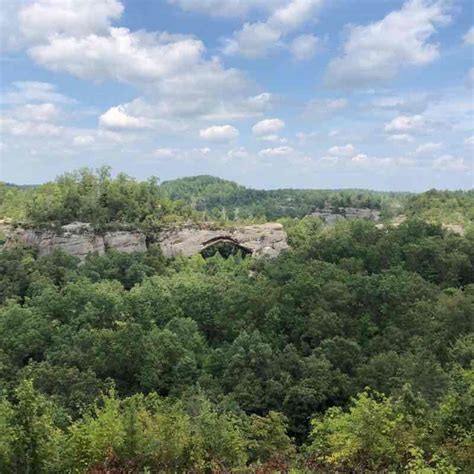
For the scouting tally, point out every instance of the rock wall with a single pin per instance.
(77, 239)
(263, 240)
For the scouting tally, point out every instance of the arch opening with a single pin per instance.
(225, 246)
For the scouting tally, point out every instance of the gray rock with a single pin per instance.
(331, 215)
(261, 240)
(125, 241)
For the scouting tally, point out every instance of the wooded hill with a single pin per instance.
(350, 352)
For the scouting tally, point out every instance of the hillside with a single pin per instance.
(218, 197)
(349, 351)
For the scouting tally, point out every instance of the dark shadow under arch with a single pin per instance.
(224, 245)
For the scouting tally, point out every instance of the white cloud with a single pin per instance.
(238, 153)
(377, 52)
(323, 107)
(83, 140)
(469, 36)
(304, 47)
(118, 118)
(428, 148)
(469, 141)
(268, 127)
(401, 137)
(277, 151)
(406, 123)
(254, 40)
(36, 112)
(257, 39)
(450, 163)
(164, 153)
(27, 128)
(343, 150)
(29, 91)
(219, 133)
(44, 19)
(121, 55)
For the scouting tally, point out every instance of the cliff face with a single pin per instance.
(79, 239)
(262, 240)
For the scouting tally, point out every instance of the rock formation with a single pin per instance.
(261, 240)
(79, 239)
(331, 215)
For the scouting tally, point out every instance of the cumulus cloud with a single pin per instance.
(164, 153)
(343, 150)
(450, 163)
(121, 55)
(401, 138)
(238, 153)
(256, 39)
(219, 133)
(118, 118)
(468, 38)
(276, 151)
(406, 123)
(268, 127)
(29, 128)
(304, 47)
(23, 92)
(83, 140)
(428, 148)
(44, 19)
(36, 112)
(376, 52)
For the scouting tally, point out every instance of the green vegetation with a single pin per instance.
(219, 199)
(352, 352)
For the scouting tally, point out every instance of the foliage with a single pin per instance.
(351, 352)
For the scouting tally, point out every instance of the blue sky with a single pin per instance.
(270, 93)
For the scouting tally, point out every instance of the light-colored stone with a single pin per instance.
(454, 228)
(125, 241)
(331, 215)
(261, 240)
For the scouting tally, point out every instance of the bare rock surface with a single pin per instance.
(77, 239)
(331, 215)
(261, 240)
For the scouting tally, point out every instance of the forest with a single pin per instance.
(352, 352)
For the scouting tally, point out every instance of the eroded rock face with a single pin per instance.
(332, 215)
(77, 239)
(262, 240)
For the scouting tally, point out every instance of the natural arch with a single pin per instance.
(226, 246)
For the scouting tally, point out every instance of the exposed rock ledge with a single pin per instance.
(79, 239)
(263, 240)
(331, 215)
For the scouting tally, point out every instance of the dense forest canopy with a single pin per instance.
(351, 352)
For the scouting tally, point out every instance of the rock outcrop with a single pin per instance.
(331, 215)
(77, 239)
(261, 240)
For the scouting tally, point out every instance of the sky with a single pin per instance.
(374, 94)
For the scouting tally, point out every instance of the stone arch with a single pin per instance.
(225, 245)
